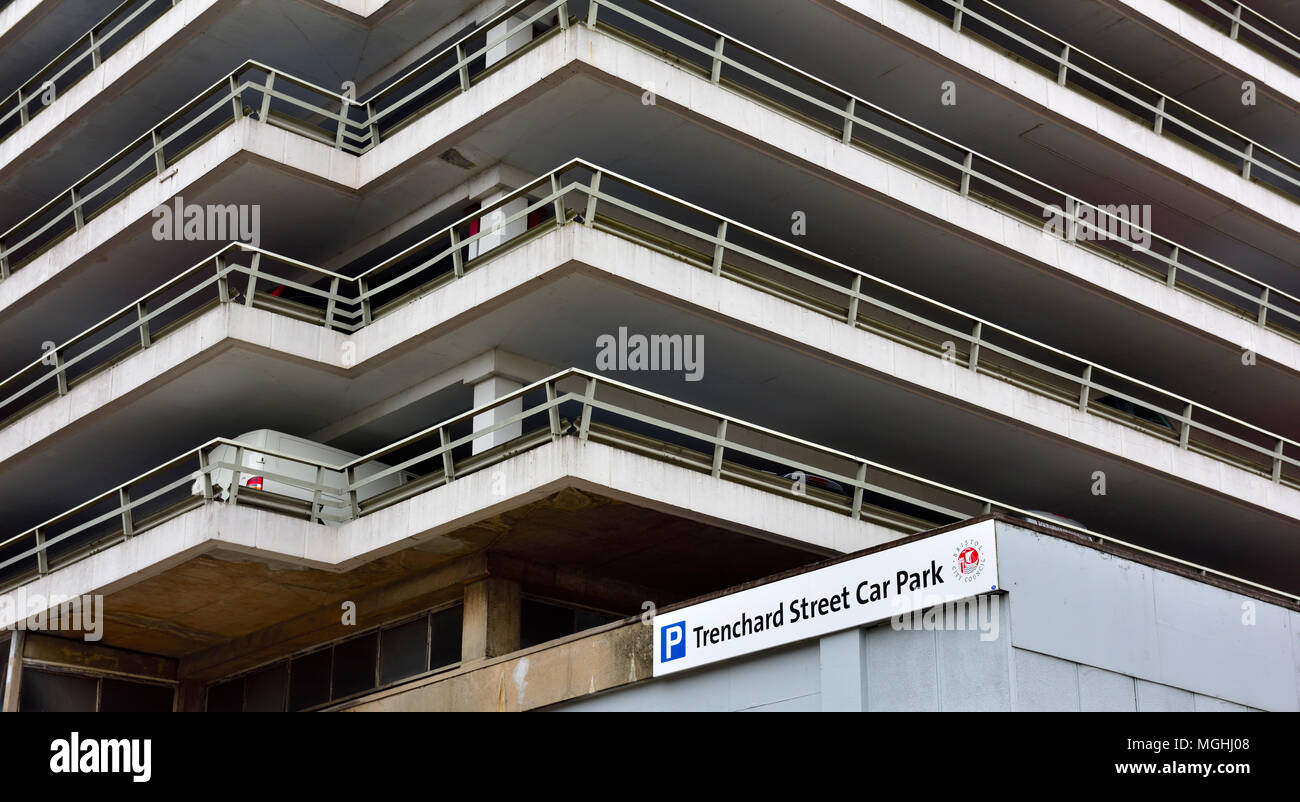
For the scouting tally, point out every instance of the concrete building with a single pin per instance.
(406, 354)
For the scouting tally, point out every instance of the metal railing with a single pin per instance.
(607, 201)
(1246, 25)
(723, 60)
(78, 60)
(1076, 68)
(570, 403)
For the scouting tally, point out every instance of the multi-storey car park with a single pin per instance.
(953, 260)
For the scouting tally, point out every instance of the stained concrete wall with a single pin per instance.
(1119, 636)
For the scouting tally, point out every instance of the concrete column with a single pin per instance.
(14, 671)
(191, 697)
(843, 671)
(493, 226)
(487, 390)
(491, 619)
(522, 36)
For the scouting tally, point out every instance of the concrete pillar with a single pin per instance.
(491, 619)
(191, 696)
(487, 390)
(493, 226)
(522, 36)
(14, 671)
(844, 671)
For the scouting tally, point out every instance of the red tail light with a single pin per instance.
(254, 482)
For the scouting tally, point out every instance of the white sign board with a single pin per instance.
(953, 565)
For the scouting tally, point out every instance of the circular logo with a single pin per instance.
(968, 560)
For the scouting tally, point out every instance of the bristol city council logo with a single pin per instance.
(968, 560)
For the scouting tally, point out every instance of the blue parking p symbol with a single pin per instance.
(673, 642)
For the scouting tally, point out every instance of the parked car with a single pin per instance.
(1138, 411)
(259, 467)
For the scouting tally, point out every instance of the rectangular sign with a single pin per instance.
(953, 565)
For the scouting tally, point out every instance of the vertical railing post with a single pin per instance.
(1085, 388)
(855, 290)
(592, 8)
(317, 508)
(1263, 307)
(585, 426)
(448, 465)
(857, 492)
(552, 411)
(374, 126)
(159, 159)
(462, 67)
(4, 261)
(124, 499)
(1172, 277)
(965, 172)
(205, 476)
(719, 248)
(61, 378)
(223, 281)
(236, 104)
(332, 303)
(1248, 160)
(42, 557)
(95, 60)
(78, 217)
(1160, 115)
(592, 192)
(850, 110)
(457, 258)
(1277, 461)
(253, 266)
(1072, 209)
(23, 116)
(354, 506)
(235, 473)
(1064, 69)
(975, 335)
(1185, 432)
(716, 77)
(558, 202)
(1236, 22)
(265, 111)
(562, 14)
(956, 16)
(719, 447)
(142, 321)
(364, 286)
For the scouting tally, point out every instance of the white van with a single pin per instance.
(258, 463)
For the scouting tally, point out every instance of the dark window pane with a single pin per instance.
(586, 619)
(540, 622)
(354, 665)
(402, 650)
(446, 637)
(117, 696)
(264, 691)
(228, 697)
(44, 692)
(309, 680)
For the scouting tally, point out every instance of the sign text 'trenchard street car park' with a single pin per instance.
(942, 568)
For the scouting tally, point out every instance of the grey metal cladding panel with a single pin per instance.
(1208, 704)
(1206, 646)
(774, 676)
(1102, 691)
(1155, 698)
(1045, 684)
(1077, 603)
(811, 703)
(900, 666)
(974, 674)
(843, 675)
(1080, 604)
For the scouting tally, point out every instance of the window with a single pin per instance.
(360, 663)
(541, 621)
(52, 692)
